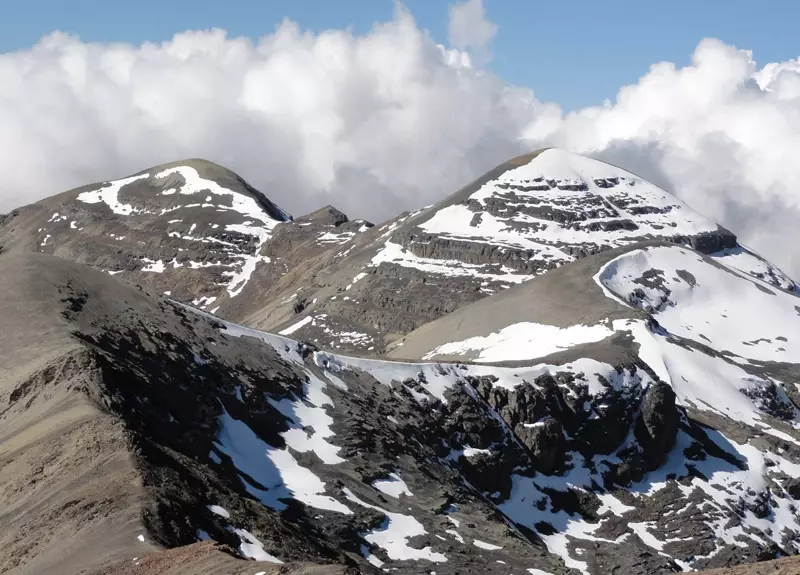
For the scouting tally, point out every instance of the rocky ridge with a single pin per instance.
(530, 215)
(192, 230)
(632, 409)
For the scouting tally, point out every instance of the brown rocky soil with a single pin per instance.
(208, 559)
(785, 566)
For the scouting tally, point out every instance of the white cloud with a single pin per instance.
(721, 133)
(468, 26)
(389, 120)
(374, 123)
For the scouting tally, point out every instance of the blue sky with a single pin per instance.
(574, 53)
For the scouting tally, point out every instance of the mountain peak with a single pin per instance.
(327, 215)
(525, 217)
(192, 227)
(198, 174)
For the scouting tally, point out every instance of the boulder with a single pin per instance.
(657, 424)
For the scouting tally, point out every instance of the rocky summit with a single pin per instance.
(560, 369)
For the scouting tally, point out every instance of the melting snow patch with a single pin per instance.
(204, 302)
(610, 503)
(475, 452)
(277, 472)
(484, 545)
(253, 548)
(296, 326)
(194, 183)
(524, 340)
(221, 511)
(372, 559)
(393, 486)
(641, 529)
(153, 266)
(109, 195)
(394, 534)
(310, 412)
(330, 238)
(396, 254)
(649, 350)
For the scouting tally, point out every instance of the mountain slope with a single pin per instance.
(532, 214)
(567, 465)
(191, 224)
(192, 229)
(199, 233)
(587, 377)
(722, 339)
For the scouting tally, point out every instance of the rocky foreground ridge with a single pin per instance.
(579, 375)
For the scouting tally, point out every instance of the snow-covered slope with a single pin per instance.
(724, 340)
(530, 215)
(549, 209)
(585, 377)
(559, 204)
(742, 484)
(192, 229)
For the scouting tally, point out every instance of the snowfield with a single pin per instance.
(745, 321)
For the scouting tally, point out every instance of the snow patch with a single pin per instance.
(109, 195)
(297, 325)
(393, 486)
(525, 340)
(484, 545)
(276, 471)
(394, 534)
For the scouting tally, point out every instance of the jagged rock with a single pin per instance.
(546, 443)
(326, 216)
(792, 486)
(772, 401)
(657, 424)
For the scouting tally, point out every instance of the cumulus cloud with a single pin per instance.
(389, 120)
(721, 133)
(468, 26)
(374, 123)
